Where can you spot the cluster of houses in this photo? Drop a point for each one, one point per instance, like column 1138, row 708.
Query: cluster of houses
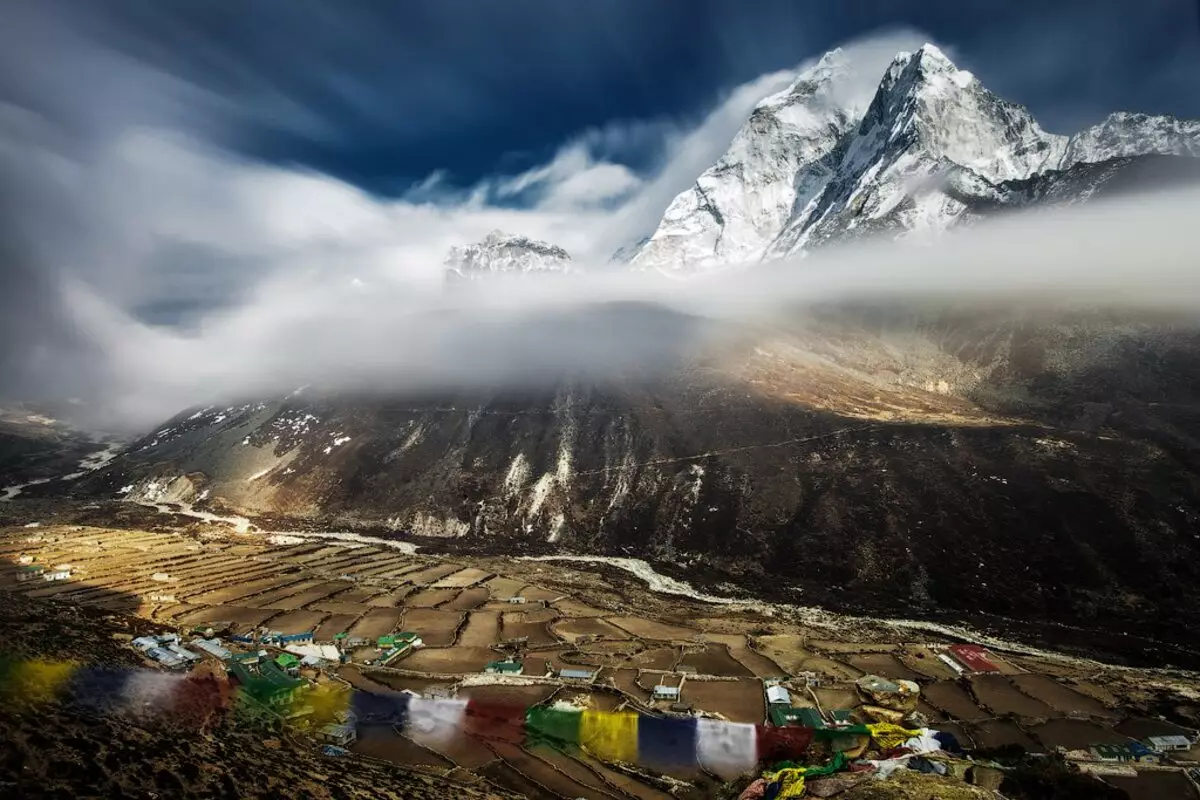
column 1151, row 750
column 274, row 683
column 166, row 650
column 34, row 572
column 514, row 666
column 781, row 712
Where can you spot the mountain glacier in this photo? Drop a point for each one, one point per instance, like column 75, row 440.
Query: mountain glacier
column 813, row 165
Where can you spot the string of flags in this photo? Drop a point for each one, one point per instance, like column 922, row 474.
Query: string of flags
column 725, row 749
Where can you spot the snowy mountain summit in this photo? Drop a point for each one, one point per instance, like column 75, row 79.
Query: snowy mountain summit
column 817, row 163
column 505, row 253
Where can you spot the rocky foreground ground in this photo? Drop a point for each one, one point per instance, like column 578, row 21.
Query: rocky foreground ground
column 59, row 751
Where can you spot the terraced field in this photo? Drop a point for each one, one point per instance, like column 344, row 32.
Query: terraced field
column 633, row 639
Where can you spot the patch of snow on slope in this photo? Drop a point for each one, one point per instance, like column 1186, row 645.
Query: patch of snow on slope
column 539, row 493
column 557, row 525
column 516, row 477
column 423, row 524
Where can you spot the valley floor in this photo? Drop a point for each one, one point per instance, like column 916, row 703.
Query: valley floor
column 173, row 573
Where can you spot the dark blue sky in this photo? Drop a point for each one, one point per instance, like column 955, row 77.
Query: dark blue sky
column 385, row 92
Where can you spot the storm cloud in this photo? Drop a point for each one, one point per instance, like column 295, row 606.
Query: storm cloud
column 183, row 218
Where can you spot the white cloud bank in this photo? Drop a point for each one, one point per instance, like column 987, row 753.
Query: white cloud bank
column 288, row 277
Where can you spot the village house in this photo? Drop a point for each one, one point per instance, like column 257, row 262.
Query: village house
column 288, row 663
column 578, row 675
column 30, row 573
column 973, row 657
column 1134, row 751
column 506, row 667
column 782, row 716
column 342, row 735
column 778, row 694
column 1166, row 744
column 185, row 654
column 212, row 647
column 666, row 693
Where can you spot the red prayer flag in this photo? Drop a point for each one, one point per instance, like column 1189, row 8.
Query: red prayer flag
column 496, row 721
column 783, row 744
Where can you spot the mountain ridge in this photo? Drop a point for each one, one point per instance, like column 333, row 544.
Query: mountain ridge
column 881, row 170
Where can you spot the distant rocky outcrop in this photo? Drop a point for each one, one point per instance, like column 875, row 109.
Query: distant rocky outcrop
column 503, row 253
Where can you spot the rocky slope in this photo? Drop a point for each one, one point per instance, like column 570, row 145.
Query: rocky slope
column 960, row 465
column 810, row 168
column 60, row 750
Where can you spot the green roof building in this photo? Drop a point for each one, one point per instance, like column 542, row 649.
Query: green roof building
column 505, row 668
column 386, row 642
column 287, row 661
column 782, row 716
column 269, row 685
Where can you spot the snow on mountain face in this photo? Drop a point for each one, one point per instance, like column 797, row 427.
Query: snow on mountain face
column 780, row 159
column 927, row 119
column 932, row 142
column 504, row 253
column 1124, row 134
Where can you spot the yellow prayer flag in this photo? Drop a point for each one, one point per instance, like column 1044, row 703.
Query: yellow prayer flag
column 40, row 681
column 329, row 702
column 791, row 784
column 886, row 735
column 610, row 736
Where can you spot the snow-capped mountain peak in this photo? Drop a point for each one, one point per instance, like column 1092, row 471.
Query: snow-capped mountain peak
column 780, row 159
column 506, row 253
column 951, row 114
column 927, row 120
column 813, row 165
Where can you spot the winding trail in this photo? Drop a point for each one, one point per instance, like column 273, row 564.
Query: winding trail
column 243, row 525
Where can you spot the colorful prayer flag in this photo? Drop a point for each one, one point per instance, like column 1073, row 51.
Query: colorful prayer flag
column 782, row 744
column 435, row 723
column 495, row 721
column 382, row 708
column 667, row 742
column 610, row 736
column 553, row 726
column 726, row 749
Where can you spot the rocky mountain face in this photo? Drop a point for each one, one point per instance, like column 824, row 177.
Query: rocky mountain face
column 503, row 253
column 987, row 464
column 931, row 147
column 957, row 466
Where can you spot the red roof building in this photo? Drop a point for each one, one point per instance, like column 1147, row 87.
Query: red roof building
column 973, row 657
